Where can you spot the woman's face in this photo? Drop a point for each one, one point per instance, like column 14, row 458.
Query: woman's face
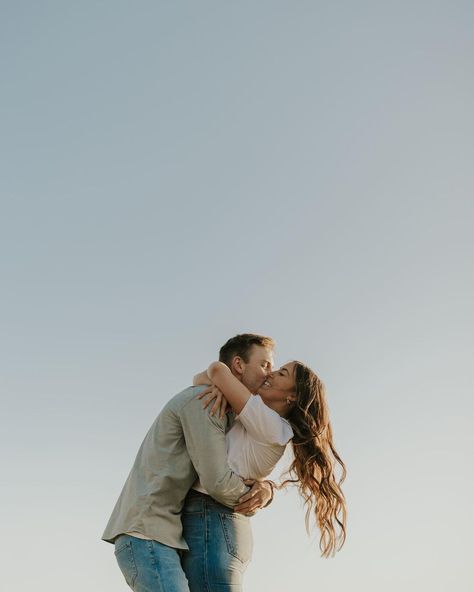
column 279, row 384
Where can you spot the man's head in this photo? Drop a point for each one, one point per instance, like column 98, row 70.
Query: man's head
column 249, row 357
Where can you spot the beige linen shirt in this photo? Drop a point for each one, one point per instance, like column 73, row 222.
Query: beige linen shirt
column 184, row 443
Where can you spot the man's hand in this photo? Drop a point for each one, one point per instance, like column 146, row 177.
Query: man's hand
column 212, row 393
column 258, row 497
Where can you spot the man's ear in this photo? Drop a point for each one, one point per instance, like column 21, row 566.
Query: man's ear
column 237, row 366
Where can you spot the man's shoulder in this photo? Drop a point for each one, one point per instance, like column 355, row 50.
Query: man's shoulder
column 187, row 404
column 183, row 398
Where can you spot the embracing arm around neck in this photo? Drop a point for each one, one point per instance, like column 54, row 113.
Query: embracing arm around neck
column 234, row 391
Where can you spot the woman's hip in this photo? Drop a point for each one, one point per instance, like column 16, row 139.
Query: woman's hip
column 220, row 545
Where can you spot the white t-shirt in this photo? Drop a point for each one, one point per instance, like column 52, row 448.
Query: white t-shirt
column 256, row 441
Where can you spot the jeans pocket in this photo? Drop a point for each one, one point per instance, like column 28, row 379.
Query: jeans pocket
column 238, row 536
column 126, row 560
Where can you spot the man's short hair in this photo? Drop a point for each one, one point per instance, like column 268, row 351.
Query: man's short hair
column 240, row 346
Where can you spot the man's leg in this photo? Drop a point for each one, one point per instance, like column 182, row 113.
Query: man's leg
column 149, row 566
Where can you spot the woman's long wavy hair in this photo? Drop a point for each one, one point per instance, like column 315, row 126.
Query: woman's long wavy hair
column 315, row 458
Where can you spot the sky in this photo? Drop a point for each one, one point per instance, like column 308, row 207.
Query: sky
column 174, row 173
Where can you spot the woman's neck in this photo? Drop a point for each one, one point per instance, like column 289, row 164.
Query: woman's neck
column 281, row 408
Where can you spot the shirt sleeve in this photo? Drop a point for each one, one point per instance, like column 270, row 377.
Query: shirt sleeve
column 206, row 444
column 264, row 424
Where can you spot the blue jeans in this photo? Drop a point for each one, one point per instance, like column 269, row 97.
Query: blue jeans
column 220, row 545
column 149, row 566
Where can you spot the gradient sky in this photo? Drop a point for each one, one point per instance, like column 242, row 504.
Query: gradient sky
column 173, row 173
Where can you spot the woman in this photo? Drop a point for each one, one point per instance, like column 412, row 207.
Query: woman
column 290, row 406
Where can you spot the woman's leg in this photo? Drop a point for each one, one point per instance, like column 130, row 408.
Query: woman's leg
column 220, row 547
column 229, row 550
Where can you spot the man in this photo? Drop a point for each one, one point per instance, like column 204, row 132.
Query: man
column 184, row 447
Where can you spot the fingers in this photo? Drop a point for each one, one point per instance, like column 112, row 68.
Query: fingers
column 209, row 398
column 206, row 391
column 212, row 393
column 216, row 406
column 224, row 406
column 255, row 492
column 252, row 505
column 253, row 500
column 246, row 497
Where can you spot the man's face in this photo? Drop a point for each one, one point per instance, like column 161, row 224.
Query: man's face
column 258, row 367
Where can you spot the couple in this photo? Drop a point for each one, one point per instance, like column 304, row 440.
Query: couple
column 181, row 523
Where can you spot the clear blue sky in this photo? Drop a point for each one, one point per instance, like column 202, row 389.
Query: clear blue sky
column 173, row 173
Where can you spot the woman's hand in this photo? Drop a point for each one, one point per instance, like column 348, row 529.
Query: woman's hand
column 210, row 394
column 258, row 497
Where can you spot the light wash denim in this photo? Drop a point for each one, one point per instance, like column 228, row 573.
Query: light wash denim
column 220, row 545
column 150, row 566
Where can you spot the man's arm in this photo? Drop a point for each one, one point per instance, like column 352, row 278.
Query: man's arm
column 206, row 444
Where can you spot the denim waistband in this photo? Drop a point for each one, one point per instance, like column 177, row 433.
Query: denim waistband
column 196, row 501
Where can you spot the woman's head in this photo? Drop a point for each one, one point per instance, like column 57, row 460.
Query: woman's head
column 295, row 386
column 279, row 389
column 313, row 469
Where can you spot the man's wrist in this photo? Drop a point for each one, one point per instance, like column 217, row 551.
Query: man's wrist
column 272, row 488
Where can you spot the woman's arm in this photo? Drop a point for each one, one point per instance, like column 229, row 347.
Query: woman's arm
column 234, row 391
column 201, row 379
column 211, row 394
